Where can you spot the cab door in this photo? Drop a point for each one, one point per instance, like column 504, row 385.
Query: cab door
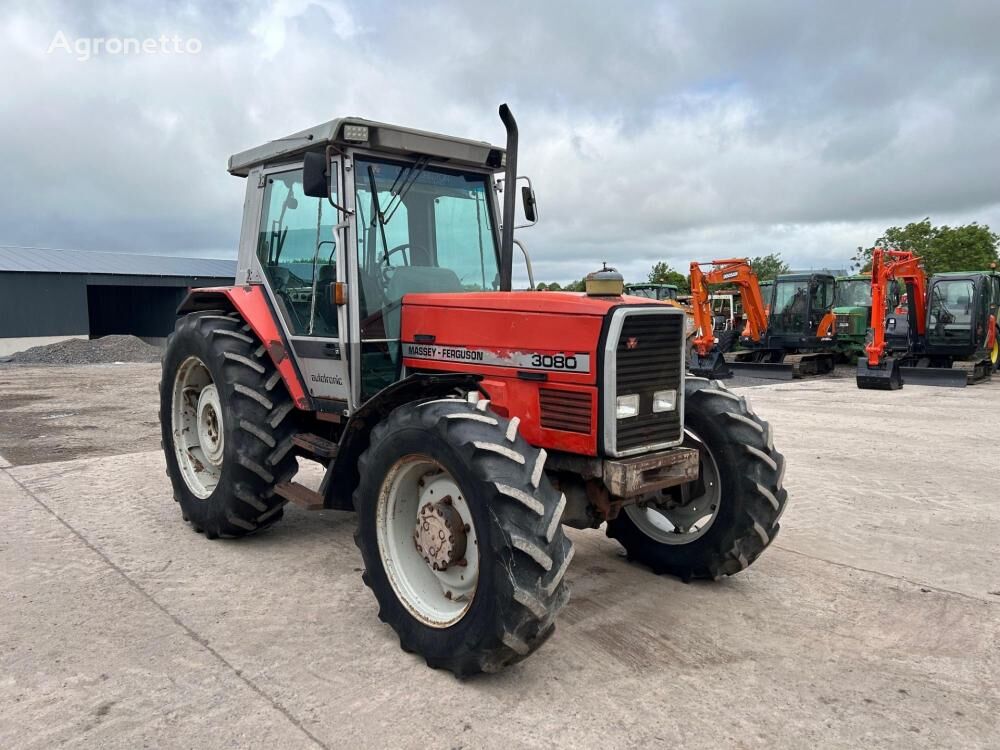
column 300, row 254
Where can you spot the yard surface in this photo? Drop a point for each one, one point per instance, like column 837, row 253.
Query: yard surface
column 872, row 621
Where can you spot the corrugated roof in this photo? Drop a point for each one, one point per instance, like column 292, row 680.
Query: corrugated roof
column 45, row 260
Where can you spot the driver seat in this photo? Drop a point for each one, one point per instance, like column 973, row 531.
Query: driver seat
column 414, row 280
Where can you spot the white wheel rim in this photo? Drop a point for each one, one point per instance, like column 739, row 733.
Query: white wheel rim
column 682, row 525
column 196, row 424
column 438, row 598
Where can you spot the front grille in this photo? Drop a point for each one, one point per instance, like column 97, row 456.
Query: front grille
column 648, row 358
column 570, row 411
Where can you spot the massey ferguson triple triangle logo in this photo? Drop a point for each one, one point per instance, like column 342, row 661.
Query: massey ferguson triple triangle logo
column 631, row 342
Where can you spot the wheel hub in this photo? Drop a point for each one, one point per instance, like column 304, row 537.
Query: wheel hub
column 209, row 412
column 440, row 534
column 197, row 426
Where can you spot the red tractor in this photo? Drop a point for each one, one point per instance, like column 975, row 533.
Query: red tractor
column 372, row 329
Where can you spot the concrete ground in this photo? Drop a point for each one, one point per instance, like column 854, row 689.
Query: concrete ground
column 872, row 621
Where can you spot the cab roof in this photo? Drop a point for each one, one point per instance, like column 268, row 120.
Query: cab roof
column 805, row 276
column 380, row 136
column 967, row 274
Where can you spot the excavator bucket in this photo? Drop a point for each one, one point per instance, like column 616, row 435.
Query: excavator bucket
column 712, row 366
column 886, row 376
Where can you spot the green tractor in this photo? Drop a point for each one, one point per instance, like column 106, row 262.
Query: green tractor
column 653, row 291
column 852, row 304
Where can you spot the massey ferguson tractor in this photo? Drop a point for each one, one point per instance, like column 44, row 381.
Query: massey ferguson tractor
column 372, row 328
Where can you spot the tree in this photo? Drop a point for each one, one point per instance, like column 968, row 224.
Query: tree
column 769, row 267
column 970, row 247
column 661, row 273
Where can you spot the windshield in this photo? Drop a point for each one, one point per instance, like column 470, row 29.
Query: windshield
column 854, row 293
column 951, row 311
column 421, row 229
column 800, row 303
column 654, row 292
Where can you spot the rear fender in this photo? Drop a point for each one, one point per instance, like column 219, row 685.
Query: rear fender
column 252, row 305
column 342, row 475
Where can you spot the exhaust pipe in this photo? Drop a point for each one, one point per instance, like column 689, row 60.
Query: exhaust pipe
column 509, row 200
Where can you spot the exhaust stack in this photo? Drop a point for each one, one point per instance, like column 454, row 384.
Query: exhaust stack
column 509, row 200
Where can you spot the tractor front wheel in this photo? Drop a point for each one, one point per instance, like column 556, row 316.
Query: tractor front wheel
column 459, row 531
column 720, row 523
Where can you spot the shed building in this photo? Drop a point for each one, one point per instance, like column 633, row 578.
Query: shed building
column 50, row 295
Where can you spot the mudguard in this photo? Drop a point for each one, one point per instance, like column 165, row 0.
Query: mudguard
column 252, row 305
column 342, row 476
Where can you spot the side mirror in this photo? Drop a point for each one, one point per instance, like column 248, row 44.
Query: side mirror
column 529, row 203
column 316, row 175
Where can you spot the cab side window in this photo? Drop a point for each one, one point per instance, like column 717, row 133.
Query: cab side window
column 295, row 248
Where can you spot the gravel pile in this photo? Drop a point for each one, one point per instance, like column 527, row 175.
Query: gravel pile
column 84, row 352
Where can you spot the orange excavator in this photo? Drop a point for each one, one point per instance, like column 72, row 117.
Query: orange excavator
column 706, row 356
column 951, row 329
column 768, row 354
column 878, row 370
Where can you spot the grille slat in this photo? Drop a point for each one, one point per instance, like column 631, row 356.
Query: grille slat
column 570, row 411
column 654, row 362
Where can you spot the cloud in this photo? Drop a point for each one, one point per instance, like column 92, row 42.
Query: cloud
column 651, row 131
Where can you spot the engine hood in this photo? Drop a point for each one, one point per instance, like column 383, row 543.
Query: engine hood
column 558, row 303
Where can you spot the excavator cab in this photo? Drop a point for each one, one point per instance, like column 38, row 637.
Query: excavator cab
column 798, row 304
column 799, row 338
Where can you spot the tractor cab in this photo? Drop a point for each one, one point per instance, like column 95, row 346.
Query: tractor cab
column 338, row 233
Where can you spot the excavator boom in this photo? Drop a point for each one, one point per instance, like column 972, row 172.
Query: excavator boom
column 706, row 357
column 877, row 370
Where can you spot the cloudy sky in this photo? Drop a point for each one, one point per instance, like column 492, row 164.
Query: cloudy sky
column 653, row 131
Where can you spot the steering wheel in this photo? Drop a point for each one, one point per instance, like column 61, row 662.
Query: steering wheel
column 386, row 269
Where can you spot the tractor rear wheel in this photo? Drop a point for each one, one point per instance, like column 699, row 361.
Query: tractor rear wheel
column 727, row 340
column 226, row 423
column 719, row 524
column 460, row 535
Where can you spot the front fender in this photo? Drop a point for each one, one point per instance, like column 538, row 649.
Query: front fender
column 342, row 475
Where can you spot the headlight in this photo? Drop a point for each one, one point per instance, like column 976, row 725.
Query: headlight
column 665, row 400
column 627, row 406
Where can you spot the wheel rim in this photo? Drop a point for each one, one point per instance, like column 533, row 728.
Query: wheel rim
column 683, row 520
column 196, row 423
column 427, row 540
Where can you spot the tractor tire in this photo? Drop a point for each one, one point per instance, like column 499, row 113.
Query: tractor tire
column 727, row 340
column 738, row 520
column 495, row 604
column 225, row 449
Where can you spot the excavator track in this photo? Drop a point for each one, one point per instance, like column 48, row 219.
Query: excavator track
column 791, row 367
